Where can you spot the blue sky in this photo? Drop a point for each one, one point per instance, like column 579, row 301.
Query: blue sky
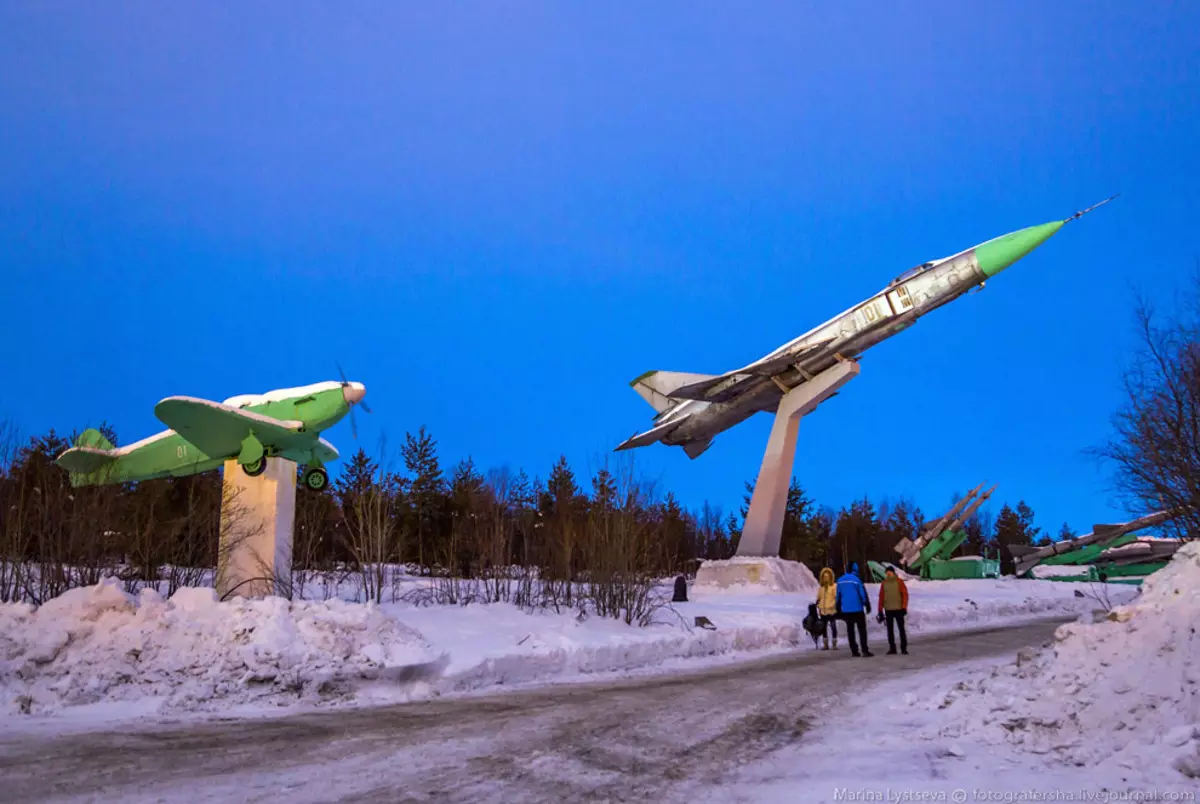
column 496, row 215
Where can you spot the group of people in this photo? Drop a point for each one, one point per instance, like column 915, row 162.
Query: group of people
column 846, row 599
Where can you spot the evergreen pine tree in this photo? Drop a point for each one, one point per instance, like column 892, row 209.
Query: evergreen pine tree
column 426, row 488
column 749, row 486
column 794, row 544
column 561, row 507
column 855, row 533
column 356, row 478
column 673, row 536
column 734, row 528
column 562, row 492
column 604, row 492
column 466, row 499
column 1014, row 527
column 1033, row 533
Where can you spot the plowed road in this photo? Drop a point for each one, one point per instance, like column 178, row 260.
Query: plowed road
column 645, row 739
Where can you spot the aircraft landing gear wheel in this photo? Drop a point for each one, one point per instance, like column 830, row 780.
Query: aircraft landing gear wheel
column 256, row 468
column 316, row 479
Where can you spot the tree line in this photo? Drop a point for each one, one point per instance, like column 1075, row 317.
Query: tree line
column 456, row 521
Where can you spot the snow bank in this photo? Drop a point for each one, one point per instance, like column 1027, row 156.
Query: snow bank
column 98, row 643
column 1061, row 571
column 935, row 605
column 963, row 603
column 499, row 645
column 98, row 648
column 1124, row 688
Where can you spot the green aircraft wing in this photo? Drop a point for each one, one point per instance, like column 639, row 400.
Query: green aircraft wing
column 324, row 452
column 221, row 431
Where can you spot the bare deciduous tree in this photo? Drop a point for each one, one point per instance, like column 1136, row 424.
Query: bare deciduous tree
column 371, row 528
column 1155, row 447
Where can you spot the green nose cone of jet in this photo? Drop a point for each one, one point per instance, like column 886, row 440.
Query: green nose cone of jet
column 996, row 255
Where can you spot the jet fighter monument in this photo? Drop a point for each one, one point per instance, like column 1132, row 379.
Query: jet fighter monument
column 793, row 380
column 694, row 408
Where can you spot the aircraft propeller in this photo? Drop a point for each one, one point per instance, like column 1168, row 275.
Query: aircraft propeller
column 361, row 403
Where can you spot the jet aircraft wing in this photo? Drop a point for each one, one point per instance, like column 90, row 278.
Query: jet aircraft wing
column 649, row 437
column 726, row 386
column 218, row 430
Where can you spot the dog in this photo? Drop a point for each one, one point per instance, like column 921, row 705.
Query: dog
column 814, row 625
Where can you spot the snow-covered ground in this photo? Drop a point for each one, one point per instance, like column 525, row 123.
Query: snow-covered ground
column 99, row 653
column 891, row 745
column 1110, row 711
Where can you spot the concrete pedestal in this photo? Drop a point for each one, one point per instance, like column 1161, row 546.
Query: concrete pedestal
column 764, row 521
column 254, row 558
column 757, row 573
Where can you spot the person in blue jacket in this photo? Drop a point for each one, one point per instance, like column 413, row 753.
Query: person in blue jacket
column 853, row 605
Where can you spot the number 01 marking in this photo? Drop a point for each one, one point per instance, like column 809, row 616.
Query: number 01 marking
column 181, row 452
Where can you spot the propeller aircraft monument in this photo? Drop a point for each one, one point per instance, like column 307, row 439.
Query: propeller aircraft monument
column 260, row 439
column 793, row 380
column 203, row 435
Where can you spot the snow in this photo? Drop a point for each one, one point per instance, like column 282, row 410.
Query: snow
column 1061, row 570
column 270, row 421
column 284, row 394
column 1110, row 709
column 145, row 442
column 1145, row 544
column 886, row 743
column 770, row 574
column 98, row 644
column 97, row 649
column 1124, row 689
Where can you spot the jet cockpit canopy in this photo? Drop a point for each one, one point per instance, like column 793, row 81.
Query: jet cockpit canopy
column 910, row 273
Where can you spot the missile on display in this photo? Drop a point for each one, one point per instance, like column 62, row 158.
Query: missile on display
column 692, row 409
column 950, row 522
column 1026, row 557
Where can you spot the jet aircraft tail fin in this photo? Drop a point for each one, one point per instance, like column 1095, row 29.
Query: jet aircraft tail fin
column 92, row 453
column 656, row 386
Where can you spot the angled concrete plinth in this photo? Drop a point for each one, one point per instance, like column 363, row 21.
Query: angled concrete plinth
column 764, row 521
column 254, row 557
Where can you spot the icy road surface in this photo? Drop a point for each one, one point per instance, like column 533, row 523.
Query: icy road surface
column 648, row 739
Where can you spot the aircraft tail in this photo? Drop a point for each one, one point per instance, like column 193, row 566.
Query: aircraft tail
column 91, row 454
column 93, row 438
column 655, row 386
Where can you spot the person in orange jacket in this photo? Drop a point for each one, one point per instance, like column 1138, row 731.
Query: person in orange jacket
column 893, row 608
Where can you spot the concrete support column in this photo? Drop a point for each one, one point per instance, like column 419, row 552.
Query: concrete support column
column 764, row 521
column 254, row 557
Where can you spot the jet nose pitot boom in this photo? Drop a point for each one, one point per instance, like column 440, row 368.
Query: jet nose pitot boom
column 353, row 392
column 996, row 255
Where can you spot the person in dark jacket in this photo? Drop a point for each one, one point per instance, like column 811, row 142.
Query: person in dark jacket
column 893, row 607
column 854, row 605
